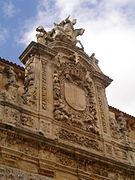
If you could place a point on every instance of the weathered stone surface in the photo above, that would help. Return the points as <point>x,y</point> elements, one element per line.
<point>55,122</point>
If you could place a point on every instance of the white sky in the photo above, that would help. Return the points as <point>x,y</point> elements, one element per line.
<point>109,33</point>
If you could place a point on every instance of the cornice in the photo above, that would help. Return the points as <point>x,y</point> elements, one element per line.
<point>36,49</point>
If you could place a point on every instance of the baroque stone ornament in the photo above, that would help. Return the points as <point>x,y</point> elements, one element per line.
<point>80,140</point>
<point>11,76</point>
<point>74,102</point>
<point>54,116</point>
<point>44,85</point>
<point>123,127</point>
<point>119,129</point>
<point>30,89</point>
<point>63,31</point>
<point>115,132</point>
<point>101,105</point>
<point>10,91</point>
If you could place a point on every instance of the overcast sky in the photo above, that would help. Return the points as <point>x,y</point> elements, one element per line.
<point>109,33</point>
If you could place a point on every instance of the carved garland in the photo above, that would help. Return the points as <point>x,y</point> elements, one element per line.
<point>72,75</point>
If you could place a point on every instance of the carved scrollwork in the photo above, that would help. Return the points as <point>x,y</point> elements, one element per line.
<point>74,101</point>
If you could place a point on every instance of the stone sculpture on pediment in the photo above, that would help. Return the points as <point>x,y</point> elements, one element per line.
<point>63,31</point>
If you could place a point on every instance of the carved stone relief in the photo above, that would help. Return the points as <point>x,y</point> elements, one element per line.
<point>80,140</point>
<point>11,77</point>
<point>10,92</point>
<point>124,131</point>
<point>30,89</point>
<point>120,176</point>
<point>29,149</point>
<point>115,133</point>
<point>66,160</point>
<point>119,129</point>
<point>1,113</point>
<point>101,109</point>
<point>11,115</point>
<point>28,121</point>
<point>74,102</point>
<point>8,173</point>
<point>119,153</point>
<point>43,84</point>
<point>109,149</point>
<point>45,127</point>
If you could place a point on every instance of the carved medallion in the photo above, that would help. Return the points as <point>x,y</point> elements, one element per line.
<point>73,93</point>
<point>75,97</point>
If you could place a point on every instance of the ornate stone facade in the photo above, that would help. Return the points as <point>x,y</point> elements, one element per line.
<point>55,123</point>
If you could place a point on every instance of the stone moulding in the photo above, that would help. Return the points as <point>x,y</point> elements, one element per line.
<point>32,144</point>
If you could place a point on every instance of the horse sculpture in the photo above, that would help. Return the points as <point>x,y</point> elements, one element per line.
<point>77,32</point>
<point>60,33</point>
<point>64,31</point>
